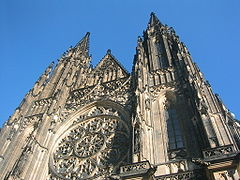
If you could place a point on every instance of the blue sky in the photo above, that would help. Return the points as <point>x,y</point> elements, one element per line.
<point>34,33</point>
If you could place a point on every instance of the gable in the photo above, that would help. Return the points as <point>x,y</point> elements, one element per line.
<point>110,69</point>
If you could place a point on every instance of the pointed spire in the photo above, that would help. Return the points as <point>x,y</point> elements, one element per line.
<point>154,20</point>
<point>81,49</point>
<point>83,44</point>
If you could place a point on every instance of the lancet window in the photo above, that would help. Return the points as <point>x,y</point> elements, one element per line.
<point>175,139</point>
<point>161,56</point>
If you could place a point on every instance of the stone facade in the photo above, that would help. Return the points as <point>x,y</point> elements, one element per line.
<point>162,121</point>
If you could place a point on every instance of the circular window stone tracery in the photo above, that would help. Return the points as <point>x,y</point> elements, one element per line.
<point>92,148</point>
<point>89,145</point>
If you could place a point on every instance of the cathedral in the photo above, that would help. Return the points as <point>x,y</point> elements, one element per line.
<point>162,121</point>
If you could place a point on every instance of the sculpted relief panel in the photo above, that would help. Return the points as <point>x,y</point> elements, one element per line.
<point>94,147</point>
<point>118,91</point>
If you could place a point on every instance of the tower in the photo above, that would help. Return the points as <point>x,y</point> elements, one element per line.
<point>180,124</point>
<point>162,121</point>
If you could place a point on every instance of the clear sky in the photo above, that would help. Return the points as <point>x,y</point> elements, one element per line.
<point>34,33</point>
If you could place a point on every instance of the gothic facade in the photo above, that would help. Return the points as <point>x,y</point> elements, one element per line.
<point>161,121</point>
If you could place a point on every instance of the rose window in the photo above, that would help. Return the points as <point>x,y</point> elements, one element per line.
<point>89,145</point>
<point>91,149</point>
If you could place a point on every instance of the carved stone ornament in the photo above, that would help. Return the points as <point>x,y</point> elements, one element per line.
<point>165,102</point>
<point>177,154</point>
<point>200,162</point>
<point>137,138</point>
<point>218,151</point>
<point>157,91</point>
<point>182,175</point>
<point>39,85</point>
<point>91,149</point>
<point>117,91</point>
<point>31,120</point>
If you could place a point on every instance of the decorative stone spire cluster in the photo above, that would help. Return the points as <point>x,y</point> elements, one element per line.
<point>162,121</point>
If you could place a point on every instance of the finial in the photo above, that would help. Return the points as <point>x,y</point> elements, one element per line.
<point>109,51</point>
<point>152,14</point>
<point>153,19</point>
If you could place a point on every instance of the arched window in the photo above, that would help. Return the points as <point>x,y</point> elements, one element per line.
<point>162,56</point>
<point>175,139</point>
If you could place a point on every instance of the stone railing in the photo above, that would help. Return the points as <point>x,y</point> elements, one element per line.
<point>136,169</point>
<point>218,151</point>
<point>182,175</point>
<point>145,165</point>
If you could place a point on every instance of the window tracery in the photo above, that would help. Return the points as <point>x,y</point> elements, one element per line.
<point>92,148</point>
<point>175,137</point>
<point>175,140</point>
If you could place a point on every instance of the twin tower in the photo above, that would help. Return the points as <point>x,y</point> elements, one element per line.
<point>161,121</point>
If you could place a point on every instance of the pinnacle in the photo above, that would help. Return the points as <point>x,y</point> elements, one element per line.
<point>153,20</point>
<point>139,39</point>
<point>109,51</point>
<point>84,42</point>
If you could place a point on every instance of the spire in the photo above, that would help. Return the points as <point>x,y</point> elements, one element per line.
<point>83,44</point>
<point>79,53</point>
<point>153,20</point>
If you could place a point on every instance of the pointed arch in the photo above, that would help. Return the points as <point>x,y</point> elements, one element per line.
<point>174,131</point>
<point>92,142</point>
